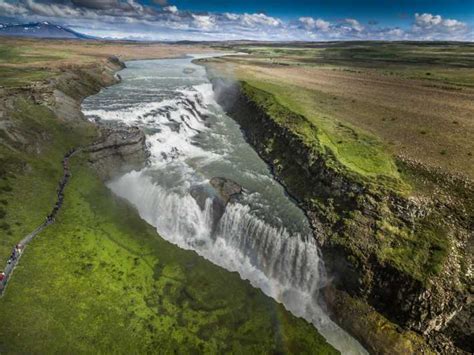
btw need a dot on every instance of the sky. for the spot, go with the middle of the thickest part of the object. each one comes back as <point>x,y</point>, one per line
<point>301,20</point>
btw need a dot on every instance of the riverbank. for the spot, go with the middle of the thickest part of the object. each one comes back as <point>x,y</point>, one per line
<point>354,219</point>
<point>100,278</point>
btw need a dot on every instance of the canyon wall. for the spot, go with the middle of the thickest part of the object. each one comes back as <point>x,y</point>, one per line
<point>350,217</point>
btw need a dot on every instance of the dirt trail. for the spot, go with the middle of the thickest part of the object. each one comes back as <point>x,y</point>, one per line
<point>18,249</point>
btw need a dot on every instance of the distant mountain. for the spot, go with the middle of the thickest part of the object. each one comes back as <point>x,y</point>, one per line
<point>41,30</point>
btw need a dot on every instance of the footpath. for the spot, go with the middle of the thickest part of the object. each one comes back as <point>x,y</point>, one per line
<point>19,248</point>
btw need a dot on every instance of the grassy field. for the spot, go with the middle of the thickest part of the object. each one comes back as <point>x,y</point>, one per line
<point>24,61</point>
<point>383,91</point>
<point>374,106</point>
<point>100,280</point>
<point>445,62</point>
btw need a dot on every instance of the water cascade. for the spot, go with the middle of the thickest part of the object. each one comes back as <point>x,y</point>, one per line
<point>260,233</point>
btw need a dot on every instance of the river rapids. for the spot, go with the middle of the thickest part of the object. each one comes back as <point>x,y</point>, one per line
<point>261,234</point>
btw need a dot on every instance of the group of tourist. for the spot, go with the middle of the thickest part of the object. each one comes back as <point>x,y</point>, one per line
<point>18,249</point>
<point>62,184</point>
<point>14,256</point>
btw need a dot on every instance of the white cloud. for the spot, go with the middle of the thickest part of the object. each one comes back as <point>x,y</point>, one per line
<point>205,22</point>
<point>311,23</point>
<point>129,18</point>
<point>173,9</point>
<point>12,9</point>
<point>254,20</point>
<point>353,24</point>
<point>435,26</point>
<point>231,16</point>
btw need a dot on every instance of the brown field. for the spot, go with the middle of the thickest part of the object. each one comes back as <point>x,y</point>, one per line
<point>53,53</point>
<point>428,118</point>
<point>417,119</point>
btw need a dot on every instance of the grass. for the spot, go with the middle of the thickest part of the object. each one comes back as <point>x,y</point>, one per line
<point>30,167</point>
<point>419,251</point>
<point>100,280</point>
<point>17,64</point>
<point>28,54</point>
<point>444,62</point>
<point>19,77</point>
<point>356,150</point>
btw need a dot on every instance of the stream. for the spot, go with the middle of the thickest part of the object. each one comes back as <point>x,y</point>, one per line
<point>261,234</point>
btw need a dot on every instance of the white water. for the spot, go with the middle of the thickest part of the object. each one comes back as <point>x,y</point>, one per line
<point>263,235</point>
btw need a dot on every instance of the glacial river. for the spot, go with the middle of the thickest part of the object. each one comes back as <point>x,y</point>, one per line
<point>262,235</point>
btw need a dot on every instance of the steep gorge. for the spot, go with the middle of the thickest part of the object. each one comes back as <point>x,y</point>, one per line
<point>352,220</point>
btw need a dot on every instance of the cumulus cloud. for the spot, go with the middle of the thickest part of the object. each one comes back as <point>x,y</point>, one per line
<point>132,19</point>
<point>311,23</point>
<point>352,25</point>
<point>430,26</point>
<point>254,20</point>
<point>173,9</point>
<point>204,22</point>
<point>345,28</point>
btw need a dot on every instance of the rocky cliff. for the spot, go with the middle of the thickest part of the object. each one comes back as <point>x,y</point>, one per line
<point>117,151</point>
<point>111,149</point>
<point>370,235</point>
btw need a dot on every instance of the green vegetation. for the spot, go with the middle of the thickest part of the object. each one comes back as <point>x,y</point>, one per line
<point>376,330</point>
<point>420,252</point>
<point>27,54</point>
<point>101,280</point>
<point>12,77</point>
<point>30,156</point>
<point>446,62</point>
<point>357,151</point>
<point>17,67</point>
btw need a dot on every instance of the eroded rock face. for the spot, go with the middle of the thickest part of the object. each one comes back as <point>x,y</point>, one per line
<point>425,308</point>
<point>119,150</point>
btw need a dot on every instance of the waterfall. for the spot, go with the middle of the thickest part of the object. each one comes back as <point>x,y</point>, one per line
<point>262,234</point>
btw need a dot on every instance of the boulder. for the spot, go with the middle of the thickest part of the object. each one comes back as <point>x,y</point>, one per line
<point>221,191</point>
<point>225,188</point>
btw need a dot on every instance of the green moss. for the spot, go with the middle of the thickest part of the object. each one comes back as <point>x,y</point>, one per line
<point>18,77</point>
<point>101,280</point>
<point>377,332</point>
<point>32,167</point>
<point>345,148</point>
<point>420,252</point>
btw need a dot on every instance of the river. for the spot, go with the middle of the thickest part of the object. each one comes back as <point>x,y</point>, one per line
<point>261,234</point>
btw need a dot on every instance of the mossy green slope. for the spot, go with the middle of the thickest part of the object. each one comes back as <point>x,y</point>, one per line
<point>101,280</point>
<point>353,150</point>
<point>31,149</point>
<point>361,159</point>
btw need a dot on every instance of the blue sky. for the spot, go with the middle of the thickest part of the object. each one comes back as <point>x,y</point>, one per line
<point>258,20</point>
